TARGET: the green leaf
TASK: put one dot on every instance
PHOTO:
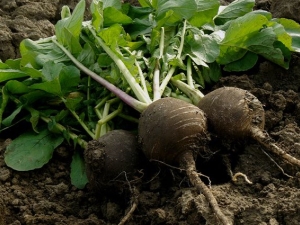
(177, 62)
(145, 3)
(33, 96)
(211, 73)
(32, 72)
(65, 12)
(78, 173)
(104, 60)
(112, 3)
(58, 78)
(52, 87)
(111, 34)
(50, 75)
(68, 29)
(181, 9)
(72, 103)
(16, 87)
(87, 56)
(36, 53)
(34, 118)
(69, 78)
(41, 46)
(293, 29)
(250, 33)
(72, 23)
(202, 48)
(10, 74)
(136, 12)
(245, 63)
(234, 10)
(96, 9)
(8, 120)
(139, 27)
(206, 11)
(31, 150)
(114, 16)
(281, 34)
(13, 63)
(4, 100)
(55, 55)
(4, 65)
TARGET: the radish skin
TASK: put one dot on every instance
(112, 157)
(169, 127)
(172, 131)
(235, 113)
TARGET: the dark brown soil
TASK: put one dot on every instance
(46, 195)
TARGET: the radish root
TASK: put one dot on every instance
(134, 204)
(279, 167)
(240, 174)
(264, 139)
(188, 163)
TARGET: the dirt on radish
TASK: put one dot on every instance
(113, 161)
(45, 196)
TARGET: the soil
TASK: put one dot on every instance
(46, 195)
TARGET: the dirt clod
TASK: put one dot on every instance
(46, 196)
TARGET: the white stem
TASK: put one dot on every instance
(156, 92)
(142, 78)
(165, 82)
(189, 73)
(182, 40)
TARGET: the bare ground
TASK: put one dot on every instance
(46, 196)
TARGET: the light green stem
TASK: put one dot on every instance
(166, 80)
(189, 73)
(194, 94)
(99, 105)
(182, 40)
(156, 74)
(62, 129)
(173, 68)
(101, 131)
(181, 97)
(142, 78)
(83, 125)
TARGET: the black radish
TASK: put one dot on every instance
(170, 130)
(235, 113)
(113, 159)
(173, 131)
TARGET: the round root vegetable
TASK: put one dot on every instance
(112, 158)
(236, 113)
(172, 131)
